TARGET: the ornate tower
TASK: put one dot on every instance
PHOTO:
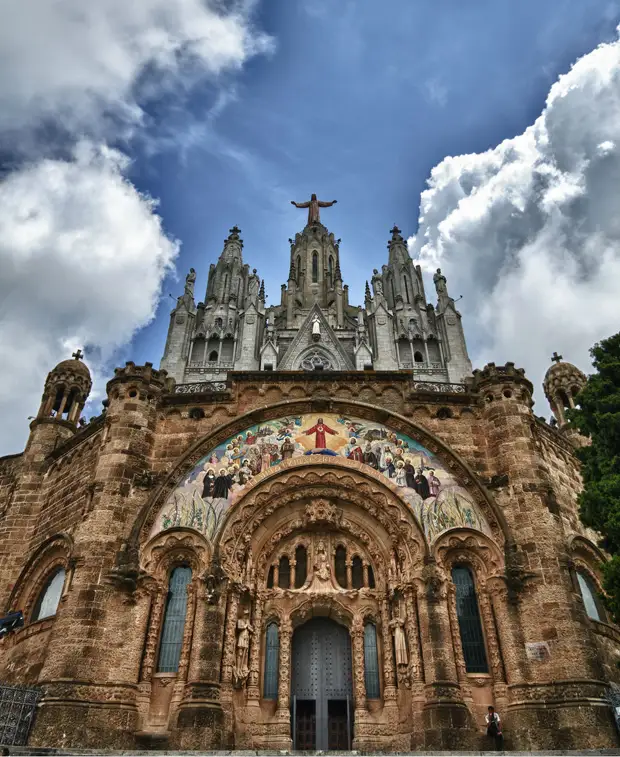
(561, 383)
(66, 390)
(207, 340)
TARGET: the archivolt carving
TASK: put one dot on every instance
(495, 517)
(174, 547)
(471, 548)
(322, 481)
(582, 548)
(270, 552)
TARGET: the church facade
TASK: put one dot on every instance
(313, 527)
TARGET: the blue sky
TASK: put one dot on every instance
(358, 102)
(134, 135)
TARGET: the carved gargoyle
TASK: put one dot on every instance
(213, 580)
(146, 479)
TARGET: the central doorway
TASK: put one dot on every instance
(321, 686)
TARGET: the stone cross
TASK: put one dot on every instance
(78, 354)
(556, 358)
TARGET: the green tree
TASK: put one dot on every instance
(598, 417)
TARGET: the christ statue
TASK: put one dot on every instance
(313, 205)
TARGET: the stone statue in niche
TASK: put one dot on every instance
(244, 632)
(248, 568)
(397, 624)
(322, 582)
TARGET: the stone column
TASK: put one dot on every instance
(230, 637)
(446, 720)
(389, 681)
(255, 647)
(280, 736)
(413, 638)
(200, 723)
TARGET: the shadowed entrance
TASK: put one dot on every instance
(321, 686)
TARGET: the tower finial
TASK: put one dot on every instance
(78, 354)
(556, 358)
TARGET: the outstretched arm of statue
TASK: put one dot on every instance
(300, 204)
(323, 204)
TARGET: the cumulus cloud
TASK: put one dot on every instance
(82, 253)
(87, 61)
(529, 232)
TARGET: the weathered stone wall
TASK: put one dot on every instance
(97, 486)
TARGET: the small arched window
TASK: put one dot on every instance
(371, 662)
(270, 578)
(213, 356)
(470, 627)
(588, 594)
(371, 577)
(330, 269)
(218, 323)
(284, 574)
(340, 565)
(272, 657)
(357, 573)
(315, 267)
(174, 620)
(418, 357)
(406, 283)
(393, 291)
(49, 598)
(298, 267)
(301, 566)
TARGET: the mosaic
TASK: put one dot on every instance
(202, 499)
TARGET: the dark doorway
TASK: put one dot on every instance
(321, 686)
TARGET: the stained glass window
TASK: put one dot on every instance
(174, 621)
(47, 601)
(588, 594)
(371, 662)
(470, 627)
(272, 655)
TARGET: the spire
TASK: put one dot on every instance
(292, 275)
(367, 296)
(261, 293)
(338, 272)
(233, 245)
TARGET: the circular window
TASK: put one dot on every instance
(316, 361)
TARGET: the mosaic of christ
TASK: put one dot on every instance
(201, 501)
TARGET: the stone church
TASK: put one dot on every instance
(313, 527)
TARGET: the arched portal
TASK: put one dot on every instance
(321, 686)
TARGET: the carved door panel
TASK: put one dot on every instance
(322, 676)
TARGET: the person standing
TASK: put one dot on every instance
(494, 728)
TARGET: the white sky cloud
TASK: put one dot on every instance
(529, 232)
(82, 253)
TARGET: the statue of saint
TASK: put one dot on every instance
(400, 642)
(316, 327)
(253, 285)
(440, 282)
(377, 282)
(322, 567)
(313, 206)
(245, 630)
(190, 280)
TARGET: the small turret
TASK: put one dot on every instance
(562, 382)
(66, 390)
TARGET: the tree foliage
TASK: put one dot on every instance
(598, 417)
